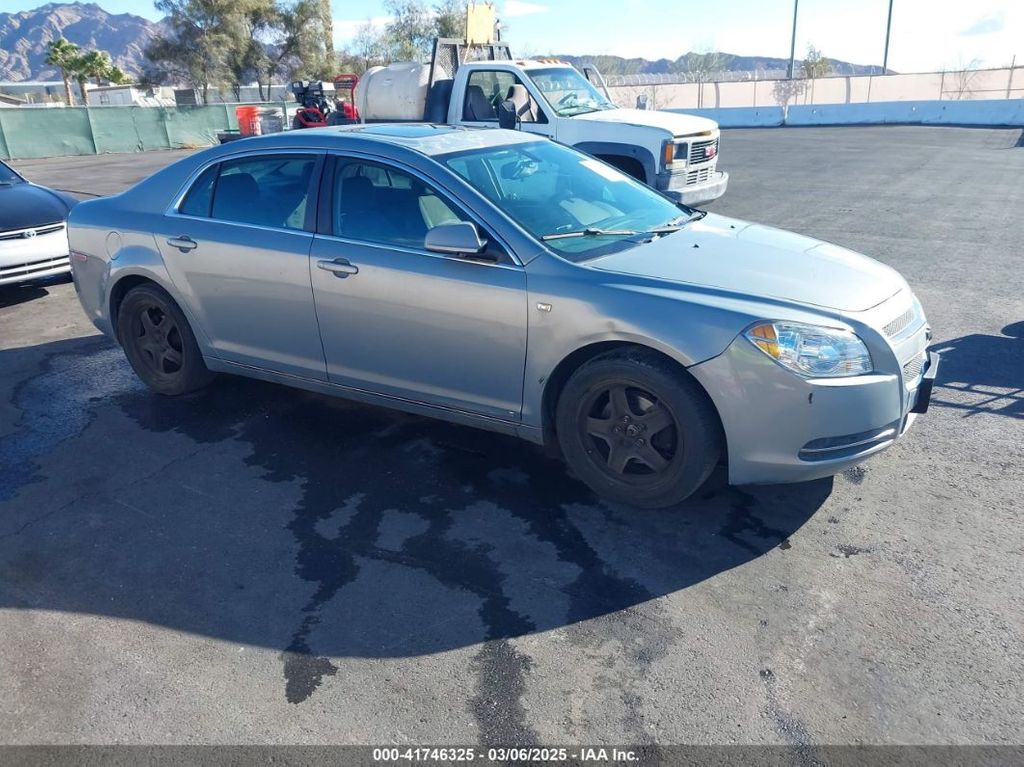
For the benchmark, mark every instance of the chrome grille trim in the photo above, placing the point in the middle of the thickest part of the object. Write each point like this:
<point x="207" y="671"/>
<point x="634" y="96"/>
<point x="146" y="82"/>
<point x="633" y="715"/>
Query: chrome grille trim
<point x="19" y="234"/>
<point x="32" y="267"/>
<point x="698" y="151"/>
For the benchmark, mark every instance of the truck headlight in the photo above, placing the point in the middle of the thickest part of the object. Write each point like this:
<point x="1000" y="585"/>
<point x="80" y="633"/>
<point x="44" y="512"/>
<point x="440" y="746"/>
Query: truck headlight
<point x="812" y="351"/>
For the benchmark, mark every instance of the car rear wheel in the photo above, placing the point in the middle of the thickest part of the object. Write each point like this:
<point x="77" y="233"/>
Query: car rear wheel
<point x="637" y="430"/>
<point x="159" y="343"/>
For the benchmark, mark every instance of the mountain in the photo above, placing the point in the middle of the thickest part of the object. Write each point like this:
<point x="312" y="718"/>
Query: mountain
<point x="24" y="37"/>
<point x="708" y="62"/>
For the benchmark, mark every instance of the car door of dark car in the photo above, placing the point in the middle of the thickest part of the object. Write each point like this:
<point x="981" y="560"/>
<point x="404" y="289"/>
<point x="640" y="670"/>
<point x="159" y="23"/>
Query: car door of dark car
<point x="237" y="247"/>
<point x="400" y="320"/>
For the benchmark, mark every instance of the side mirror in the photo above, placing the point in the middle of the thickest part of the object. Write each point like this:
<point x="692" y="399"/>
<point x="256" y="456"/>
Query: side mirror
<point x="507" y="117"/>
<point x="458" y="238"/>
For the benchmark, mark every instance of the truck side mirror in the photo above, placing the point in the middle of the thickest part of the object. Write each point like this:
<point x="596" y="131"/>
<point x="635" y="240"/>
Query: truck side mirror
<point x="507" y="117"/>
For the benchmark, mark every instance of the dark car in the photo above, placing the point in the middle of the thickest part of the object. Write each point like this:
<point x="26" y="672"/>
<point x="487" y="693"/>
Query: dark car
<point x="33" y="233"/>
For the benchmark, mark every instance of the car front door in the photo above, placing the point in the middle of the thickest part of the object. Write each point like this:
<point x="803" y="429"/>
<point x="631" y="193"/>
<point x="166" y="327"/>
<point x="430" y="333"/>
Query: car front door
<point x="237" y="248"/>
<point x="399" y="320"/>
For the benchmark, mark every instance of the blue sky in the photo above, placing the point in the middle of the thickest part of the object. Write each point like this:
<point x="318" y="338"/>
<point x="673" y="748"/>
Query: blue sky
<point x="927" y="34"/>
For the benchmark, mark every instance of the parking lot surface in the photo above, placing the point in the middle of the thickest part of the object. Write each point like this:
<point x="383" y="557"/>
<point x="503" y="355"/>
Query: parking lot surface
<point x="255" y="564"/>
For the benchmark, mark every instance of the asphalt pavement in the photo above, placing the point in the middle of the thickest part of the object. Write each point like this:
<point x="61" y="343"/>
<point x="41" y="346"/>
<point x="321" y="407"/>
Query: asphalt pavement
<point x="256" y="564"/>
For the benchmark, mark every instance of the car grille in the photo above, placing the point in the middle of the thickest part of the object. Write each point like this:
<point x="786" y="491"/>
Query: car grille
<point x="899" y="324"/>
<point x="28" y="270"/>
<point x="912" y="369"/>
<point x="24" y="234"/>
<point x="699" y="153"/>
<point x="699" y="176"/>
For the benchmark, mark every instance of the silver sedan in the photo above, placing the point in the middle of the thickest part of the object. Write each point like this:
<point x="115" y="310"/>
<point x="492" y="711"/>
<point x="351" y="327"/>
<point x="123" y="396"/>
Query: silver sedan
<point x="500" y="280"/>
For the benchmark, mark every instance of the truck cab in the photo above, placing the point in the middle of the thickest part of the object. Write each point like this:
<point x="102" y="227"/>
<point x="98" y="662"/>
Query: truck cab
<point x="676" y="154"/>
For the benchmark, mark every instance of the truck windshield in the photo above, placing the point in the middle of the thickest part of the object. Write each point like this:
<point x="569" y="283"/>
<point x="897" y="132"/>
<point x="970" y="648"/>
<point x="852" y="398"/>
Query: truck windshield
<point x="568" y="92"/>
<point x="578" y="206"/>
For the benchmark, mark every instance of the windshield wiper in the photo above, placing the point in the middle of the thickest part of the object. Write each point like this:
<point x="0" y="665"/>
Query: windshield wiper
<point x="677" y="223"/>
<point x="589" y="232"/>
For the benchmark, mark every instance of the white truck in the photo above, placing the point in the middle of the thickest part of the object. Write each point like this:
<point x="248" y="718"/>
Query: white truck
<point x="676" y="154"/>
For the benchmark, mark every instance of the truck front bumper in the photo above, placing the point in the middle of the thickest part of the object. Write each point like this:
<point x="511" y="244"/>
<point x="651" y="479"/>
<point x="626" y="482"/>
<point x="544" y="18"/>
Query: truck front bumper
<point x="699" y="194"/>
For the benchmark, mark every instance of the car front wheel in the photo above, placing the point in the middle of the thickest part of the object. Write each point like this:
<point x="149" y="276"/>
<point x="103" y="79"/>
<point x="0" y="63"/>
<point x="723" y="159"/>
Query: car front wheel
<point x="159" y="343"/>
<point x="637" y="429"/>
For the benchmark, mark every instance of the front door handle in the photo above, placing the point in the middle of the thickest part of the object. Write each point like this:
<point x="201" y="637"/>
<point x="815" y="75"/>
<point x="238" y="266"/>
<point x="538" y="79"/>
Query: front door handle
<point x="340" y="267"/>
<point x="183" y="243"/>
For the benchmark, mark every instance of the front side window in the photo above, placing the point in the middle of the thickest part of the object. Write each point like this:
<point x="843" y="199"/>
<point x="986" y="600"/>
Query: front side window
<point x="568" y="92"/>
<point x="271" y="190"/>
<point x="379" y="204"/>
<point x="579" y="206"/>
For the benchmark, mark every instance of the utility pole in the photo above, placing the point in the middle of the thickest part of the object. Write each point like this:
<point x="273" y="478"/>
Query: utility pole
<point x="888" y="28"/>
<point x="792" y="45"/>
<point x="328" y="22"/>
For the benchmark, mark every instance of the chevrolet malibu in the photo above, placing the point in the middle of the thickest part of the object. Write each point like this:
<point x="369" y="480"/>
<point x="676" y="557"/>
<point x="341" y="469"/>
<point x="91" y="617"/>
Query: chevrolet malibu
<point x="500" y="280"/>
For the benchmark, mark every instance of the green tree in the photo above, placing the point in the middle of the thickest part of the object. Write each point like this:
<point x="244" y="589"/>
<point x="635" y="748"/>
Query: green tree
<point x="194" y="51"/>
<point x="97" y="65"/>
<point x="78" y="69"/>
<point x="410" y="33"/>
<point x="815" y="64"/>
<point x="63" y="54"/>
<point x="450" y="18"/>
<point x="117" y="76"/>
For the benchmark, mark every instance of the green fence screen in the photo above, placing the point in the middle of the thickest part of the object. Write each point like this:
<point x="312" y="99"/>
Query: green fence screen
<point x="28" y="132"/>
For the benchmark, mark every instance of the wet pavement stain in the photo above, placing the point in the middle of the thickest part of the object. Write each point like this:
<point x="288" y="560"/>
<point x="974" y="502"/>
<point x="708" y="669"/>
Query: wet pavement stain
<point x="458" y="495"/>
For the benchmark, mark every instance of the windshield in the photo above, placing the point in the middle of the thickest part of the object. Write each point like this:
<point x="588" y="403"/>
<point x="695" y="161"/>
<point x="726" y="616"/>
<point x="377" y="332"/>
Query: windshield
<point x="568" y="92"/>
<point x="580" y="207"/>
<point x="8" y="176"/>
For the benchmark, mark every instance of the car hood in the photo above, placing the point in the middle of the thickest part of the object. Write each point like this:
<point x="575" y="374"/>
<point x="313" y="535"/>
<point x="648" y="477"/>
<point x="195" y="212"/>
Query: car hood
<point x="675" y="123"/>
<point x="756" y="260"/>
<point x="23" y="206"/>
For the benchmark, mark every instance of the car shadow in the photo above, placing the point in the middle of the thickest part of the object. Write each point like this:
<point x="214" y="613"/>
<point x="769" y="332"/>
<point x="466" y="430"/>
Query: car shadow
<point x="983" y="373"/>
<point x="12" y="295"/>
<point x="263" y="515"/>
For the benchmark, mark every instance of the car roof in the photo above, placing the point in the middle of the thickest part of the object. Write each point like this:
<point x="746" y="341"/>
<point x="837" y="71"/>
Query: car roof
<point x="425" y="138"/>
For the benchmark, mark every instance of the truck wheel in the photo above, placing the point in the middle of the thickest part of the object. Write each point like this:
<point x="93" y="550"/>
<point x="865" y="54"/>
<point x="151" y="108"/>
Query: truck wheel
<point x="637" y="430"/>
<point x="629" y="166"/>
<point x="159" y="343"/>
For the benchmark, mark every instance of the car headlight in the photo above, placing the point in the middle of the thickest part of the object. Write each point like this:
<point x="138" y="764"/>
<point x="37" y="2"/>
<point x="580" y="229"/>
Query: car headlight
<point x="812" y="351"/>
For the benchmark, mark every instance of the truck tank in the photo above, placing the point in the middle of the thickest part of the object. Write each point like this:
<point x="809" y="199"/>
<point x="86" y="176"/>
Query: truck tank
<point x="395" y="92"/>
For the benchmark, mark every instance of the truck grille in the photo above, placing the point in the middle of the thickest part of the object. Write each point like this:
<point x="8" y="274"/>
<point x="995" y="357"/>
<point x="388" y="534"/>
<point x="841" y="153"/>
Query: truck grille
<point x="699" y="176"/>
<point x="699" y="151"/>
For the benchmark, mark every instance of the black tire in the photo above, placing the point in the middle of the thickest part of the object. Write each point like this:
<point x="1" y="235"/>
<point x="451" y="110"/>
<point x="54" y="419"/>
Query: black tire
<point x="638" y="430"/>
<point x="159" y="343"/>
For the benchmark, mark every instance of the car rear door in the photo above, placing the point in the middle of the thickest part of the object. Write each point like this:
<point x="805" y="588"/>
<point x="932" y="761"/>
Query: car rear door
<point x="399" y="320"/>
<point x="237" y="247"/>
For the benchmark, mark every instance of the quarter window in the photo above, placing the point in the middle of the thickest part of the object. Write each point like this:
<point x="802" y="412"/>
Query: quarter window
<point x="266" y="191"/>
<point x="383" y="205"/>
<point x="484" y="91"/>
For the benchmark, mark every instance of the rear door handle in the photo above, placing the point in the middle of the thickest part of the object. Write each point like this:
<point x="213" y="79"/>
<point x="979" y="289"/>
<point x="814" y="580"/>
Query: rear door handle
<point x="340" y="267"/>
<point x="183" y="243"/>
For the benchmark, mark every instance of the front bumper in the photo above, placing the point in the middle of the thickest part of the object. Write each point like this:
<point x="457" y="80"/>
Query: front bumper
<point x="26" y="255"/>
<point x="698" y="194"/>
<point x="783" y="428"/>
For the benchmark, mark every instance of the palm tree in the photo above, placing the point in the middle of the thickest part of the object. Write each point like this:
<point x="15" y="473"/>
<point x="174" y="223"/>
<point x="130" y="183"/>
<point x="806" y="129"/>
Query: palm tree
<point x="97" y="64"/>
<point x="76" y="67"/>
<point x="62" y="54"/>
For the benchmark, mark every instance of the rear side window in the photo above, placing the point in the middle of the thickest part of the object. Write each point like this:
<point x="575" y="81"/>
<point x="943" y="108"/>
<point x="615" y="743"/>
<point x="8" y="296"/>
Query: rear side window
<point x="272" y="190"/>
